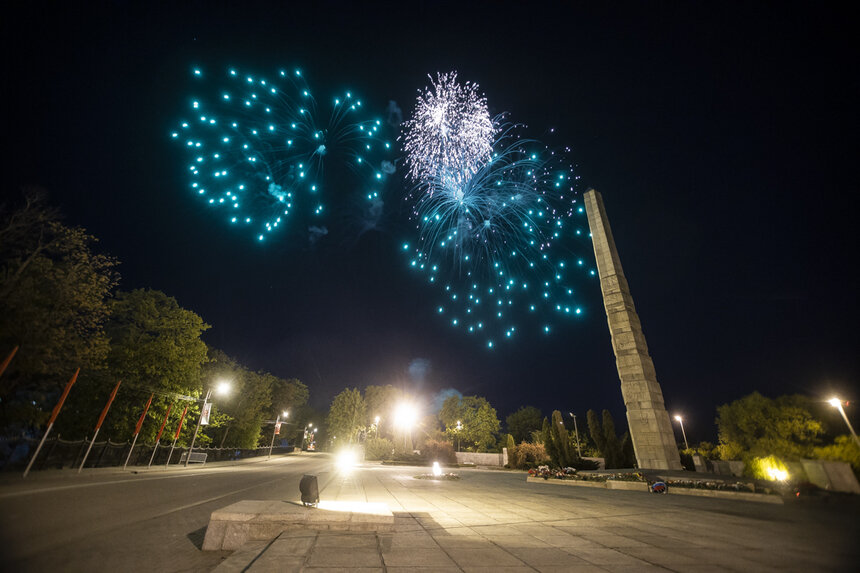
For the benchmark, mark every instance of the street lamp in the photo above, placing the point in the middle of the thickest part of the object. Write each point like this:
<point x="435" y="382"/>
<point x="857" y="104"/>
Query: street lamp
<point x="277" y="430"/>
<point x="459" y="427"/>
<point x="575" y="429"/>
<point x="376" y="425"/>
<point x="837" y="403"/>
<point x="222" y="388"/>
<point x="305" y="437"/>
<point x="683" y="433"/>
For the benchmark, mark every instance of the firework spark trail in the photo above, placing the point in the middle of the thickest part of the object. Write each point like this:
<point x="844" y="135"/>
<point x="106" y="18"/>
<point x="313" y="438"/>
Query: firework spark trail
<point x="493" y="231"/>
<point x="451" y="133"/>
<point x="258" y="149"/>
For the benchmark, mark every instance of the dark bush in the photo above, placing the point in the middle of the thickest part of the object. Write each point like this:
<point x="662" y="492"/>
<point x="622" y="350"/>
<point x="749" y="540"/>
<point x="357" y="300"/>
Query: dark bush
<point x="439" y="451"/>
<point x="378" y="449"/>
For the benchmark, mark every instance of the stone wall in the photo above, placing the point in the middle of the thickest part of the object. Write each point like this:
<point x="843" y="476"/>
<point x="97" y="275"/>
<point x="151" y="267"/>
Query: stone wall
<point x="497" y="460"/>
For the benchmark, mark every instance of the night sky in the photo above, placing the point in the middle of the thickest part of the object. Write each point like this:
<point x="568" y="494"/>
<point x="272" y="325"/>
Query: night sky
<point x="720" y="137"/>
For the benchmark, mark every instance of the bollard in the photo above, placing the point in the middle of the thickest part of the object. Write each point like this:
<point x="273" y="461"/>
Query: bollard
<point x="310" y="490"/>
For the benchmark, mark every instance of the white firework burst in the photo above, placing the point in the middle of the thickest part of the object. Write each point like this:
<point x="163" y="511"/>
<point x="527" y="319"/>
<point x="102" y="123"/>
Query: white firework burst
<point x="450" y="134"/>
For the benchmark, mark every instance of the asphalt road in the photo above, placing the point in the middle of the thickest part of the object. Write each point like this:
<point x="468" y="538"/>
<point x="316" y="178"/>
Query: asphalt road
<point x="108" y="520"/>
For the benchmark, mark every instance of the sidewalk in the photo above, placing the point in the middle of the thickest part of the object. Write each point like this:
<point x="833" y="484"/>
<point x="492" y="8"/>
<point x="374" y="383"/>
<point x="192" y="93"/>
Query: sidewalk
<point x="13" y="482"/>
<point x="495" y="521"/>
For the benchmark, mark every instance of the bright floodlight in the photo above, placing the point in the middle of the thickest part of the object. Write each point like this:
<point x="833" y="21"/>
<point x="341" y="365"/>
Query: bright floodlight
<point x="776" y="474"/>
<point x="285" y="414"/>
<point x="346" y="460"/>
<point x="437" y="471"/>
<point x="678" y="418"/>
<point x="223" y="387"/>
<point x="405" y="415"/>
<point x="835" y="402"/>
<point x="377" y="419"/>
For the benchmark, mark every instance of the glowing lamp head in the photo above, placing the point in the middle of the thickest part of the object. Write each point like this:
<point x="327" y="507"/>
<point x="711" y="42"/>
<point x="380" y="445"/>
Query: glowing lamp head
<point x="222" y="388"/>
<point x="347" y="460"/>
<point x="679" y="418"/>
<point x="376" y="419"/>
<point x="405" y="415"/>
<point x="285" y="414"/>
<point x="835" y="402"/>
<point x="437" y="471"/>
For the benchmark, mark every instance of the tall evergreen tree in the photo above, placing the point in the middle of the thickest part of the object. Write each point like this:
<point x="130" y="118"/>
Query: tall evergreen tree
<point x="612" y="446"/>
<point x="596" y="432"/>
<point x="627" y="451"/>
<point x="560" y="451"/>
<point x="512" y="450"/>
<point x="546" y="436"/>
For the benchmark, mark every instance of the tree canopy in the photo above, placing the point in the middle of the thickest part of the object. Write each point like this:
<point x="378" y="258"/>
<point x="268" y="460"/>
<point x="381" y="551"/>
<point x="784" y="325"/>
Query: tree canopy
<point x="523" y="422"/>
<point x="479" y="421"/>
<point x="759" y="426"/>
<point x="58" y="304"/>
<point x="154" y="346"/>
<point x="54" y="291"/>
<point x="347" y="415"/>
<point x="382" y="401"/>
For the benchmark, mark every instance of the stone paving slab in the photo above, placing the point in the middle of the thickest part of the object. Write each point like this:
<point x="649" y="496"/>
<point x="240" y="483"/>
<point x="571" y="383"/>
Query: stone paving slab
<point x="495" y="522"/>
<point x="249" y="520"/>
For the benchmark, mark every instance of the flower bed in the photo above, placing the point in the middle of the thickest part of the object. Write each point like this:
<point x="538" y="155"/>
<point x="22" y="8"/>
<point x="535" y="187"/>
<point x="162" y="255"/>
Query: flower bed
<point x="635" y="481"/>
<point x="570" y="474"/>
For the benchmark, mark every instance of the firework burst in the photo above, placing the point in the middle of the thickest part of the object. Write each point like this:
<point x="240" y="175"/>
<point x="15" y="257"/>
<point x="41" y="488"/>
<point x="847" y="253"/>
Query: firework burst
<point x="495" y="230"/>
<point x="450" y="134"/>
<point x="259" y="149"/>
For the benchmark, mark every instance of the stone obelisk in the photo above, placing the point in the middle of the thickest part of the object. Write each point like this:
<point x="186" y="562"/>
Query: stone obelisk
<point x="647" y="418"/>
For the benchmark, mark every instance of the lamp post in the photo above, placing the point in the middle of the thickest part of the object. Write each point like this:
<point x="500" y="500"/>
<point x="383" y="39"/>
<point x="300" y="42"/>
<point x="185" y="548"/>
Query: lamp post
<point x="683" y="433"/>
<point x="459" y="427"/>
<point x="305" y="437"/>
<point x="223" y="388"/>
<point x="576" y="430"/>
<point x="277" y="430"/>
<point x="837" y="403"/>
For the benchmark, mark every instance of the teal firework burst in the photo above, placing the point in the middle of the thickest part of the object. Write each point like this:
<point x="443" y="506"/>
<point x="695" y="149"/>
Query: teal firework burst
<point x="259" y="150"/>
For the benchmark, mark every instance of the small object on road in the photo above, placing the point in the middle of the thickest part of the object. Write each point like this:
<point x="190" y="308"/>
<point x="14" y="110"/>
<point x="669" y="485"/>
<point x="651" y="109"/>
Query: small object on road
<point x="659" y="487"/>
<point x="310" y="490"/>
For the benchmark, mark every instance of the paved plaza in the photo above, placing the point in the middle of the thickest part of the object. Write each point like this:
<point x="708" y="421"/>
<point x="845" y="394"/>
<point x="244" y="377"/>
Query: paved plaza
<point x="495" y="521"/>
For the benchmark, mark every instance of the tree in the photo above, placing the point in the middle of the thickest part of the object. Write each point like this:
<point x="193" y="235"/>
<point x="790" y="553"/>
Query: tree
<point x="155" y="346"/>
<point x="288" y="394"/>
<point x="523" y="422"/>
<point x="843" y="449"/>
<point x="479" y="421"/>
<point x="246" y="407"/>
<point x="628" y="452"/>
<point x="559" y="451"/>
<point x="381" y="401"/>
<point x="596" y="431"/>
<point x="512" y="450"/>
<point x="612" y="452"/>
<point x="53" y="304"/>
<point x="347" y="415"/>
<point x="757" y="426"/>
<point x="550" y="444"/>
<point x="606" y="440"/>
